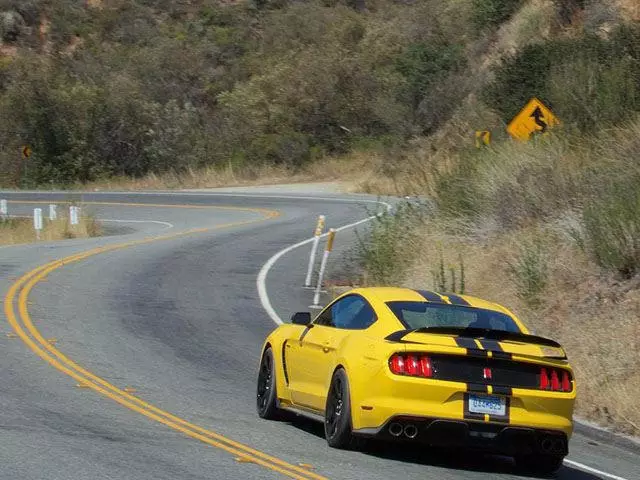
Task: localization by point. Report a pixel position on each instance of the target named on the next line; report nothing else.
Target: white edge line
(592, 470)
(113, 220)
(266, 304)
(261, 281)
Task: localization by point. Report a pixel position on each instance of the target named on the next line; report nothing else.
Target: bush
(611, 229)
(589, 82)
(530, 271)
(382, 252)
(491, 13)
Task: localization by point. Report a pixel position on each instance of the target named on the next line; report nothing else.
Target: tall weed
(530, 271)
(385, 252)
(611, 229)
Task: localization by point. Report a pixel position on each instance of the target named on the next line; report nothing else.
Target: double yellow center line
(21, 322)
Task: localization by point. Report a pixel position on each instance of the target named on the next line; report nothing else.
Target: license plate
(487, 404)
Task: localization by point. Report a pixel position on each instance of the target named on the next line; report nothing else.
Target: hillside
(387, 94)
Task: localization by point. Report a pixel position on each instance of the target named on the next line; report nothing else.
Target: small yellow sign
(534, 118)
(483, 137)
(26, 151)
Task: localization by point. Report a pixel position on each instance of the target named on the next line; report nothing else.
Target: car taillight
(566, 383)
(397, 364)
(544, 379)
(412, 365)
(550, 380)
(425, 367)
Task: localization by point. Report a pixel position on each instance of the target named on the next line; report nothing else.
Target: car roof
(401, 294)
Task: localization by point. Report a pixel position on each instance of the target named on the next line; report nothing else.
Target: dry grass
(20, 230)
(347, 170)
(592, 314)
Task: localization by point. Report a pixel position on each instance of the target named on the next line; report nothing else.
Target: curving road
(133, 355)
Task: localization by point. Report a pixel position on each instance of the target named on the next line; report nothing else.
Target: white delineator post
(4, 211)
(37, 221)
(314, 249)
(323, 266)
(73, 215)
(53, 213)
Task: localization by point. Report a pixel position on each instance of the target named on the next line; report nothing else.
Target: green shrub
(382, 252)
(611, 229)
(491, 13)
(431, 86)
(589, 82)
(530, 271)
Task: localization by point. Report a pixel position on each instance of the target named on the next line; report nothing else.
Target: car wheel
(337, 423)
(266, 394)
(540, 464)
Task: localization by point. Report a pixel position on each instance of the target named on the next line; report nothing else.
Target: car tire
(545, 465)
(266, 395)
(337, 423)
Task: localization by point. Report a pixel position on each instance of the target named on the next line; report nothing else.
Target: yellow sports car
(418, 366)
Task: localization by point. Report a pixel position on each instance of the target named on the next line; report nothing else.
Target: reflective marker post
(314, 249)
(323, 266)
(73, 215)
(4, 211)
(37, 221)
(53, 214)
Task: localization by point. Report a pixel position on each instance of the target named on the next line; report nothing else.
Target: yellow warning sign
(534, 118)
(483, 137)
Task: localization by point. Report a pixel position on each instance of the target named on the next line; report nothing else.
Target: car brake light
(397, 364)
(566, 383)
(425, 367)
(550, 380)
(544, 379)
(555, 382)
(412, 365)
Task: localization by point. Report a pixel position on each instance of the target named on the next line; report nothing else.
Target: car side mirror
(301, 318)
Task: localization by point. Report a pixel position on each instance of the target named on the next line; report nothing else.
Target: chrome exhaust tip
(395, 429)
(410, 431)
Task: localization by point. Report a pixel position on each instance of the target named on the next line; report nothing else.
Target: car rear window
(428, 314)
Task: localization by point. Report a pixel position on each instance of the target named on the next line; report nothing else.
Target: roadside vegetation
(20, 230)
(385, 95)
(549, 227)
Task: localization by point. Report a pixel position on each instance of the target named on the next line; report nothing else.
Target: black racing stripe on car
(502, 355)
(477, 353)
(430, 296)
(477, 388)
(465, 342)
(499, 390)
(457, 300)
(492, 345)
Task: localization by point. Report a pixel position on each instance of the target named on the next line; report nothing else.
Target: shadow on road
(458, 459)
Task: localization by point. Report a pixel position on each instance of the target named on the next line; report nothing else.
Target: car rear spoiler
(480, 333)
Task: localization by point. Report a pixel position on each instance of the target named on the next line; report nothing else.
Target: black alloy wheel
(337, 423)
(266, 398)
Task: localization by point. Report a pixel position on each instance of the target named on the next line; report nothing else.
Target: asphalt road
(138, 361)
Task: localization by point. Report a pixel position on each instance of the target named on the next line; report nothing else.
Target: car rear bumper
(493, 437)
